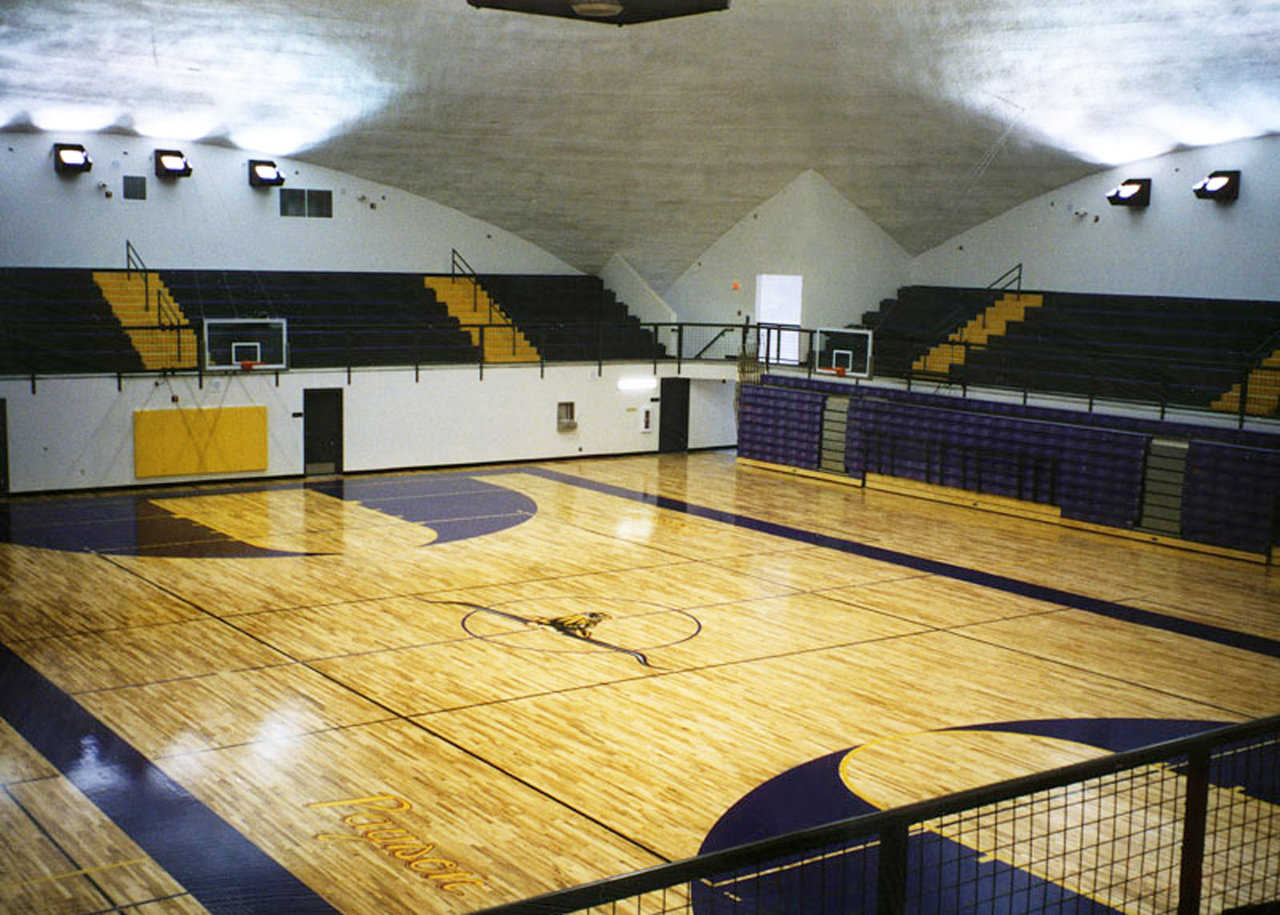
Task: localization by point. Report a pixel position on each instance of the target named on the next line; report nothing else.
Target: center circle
(577, 624)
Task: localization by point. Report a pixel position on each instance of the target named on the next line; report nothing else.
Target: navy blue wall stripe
(216, 864)
(1217, 634)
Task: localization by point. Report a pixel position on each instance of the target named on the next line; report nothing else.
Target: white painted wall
(622, 280)
(1072, 240)
(713, 422)
(77, 432)
(808, 228)
(213, 219)
(74, 433)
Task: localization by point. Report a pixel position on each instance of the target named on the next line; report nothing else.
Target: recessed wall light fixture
(1131, 192)
(1221, 186)
(263, 173)
(70, 159)
(171, 163)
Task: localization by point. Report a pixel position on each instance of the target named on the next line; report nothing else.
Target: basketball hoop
(248, 365)
(840, 370)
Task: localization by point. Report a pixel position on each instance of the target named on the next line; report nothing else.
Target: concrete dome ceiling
(652, 140)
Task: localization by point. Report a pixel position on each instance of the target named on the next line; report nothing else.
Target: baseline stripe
(221, 868)
(1149, 618)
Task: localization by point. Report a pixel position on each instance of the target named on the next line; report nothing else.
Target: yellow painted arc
(299, 520)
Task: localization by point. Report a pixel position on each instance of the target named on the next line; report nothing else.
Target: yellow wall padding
(218, 440)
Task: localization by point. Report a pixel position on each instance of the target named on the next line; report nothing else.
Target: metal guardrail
(1185, 826)
(1165, 384)
(458, 266)
(169, 315)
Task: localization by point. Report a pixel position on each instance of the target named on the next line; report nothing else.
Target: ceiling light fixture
(263, 173)
(1221, 185)
(613, 12)
(596, 9)
(70, 159)
(1131, 192)
(171, 163)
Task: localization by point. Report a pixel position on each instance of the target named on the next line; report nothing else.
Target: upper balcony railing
(1242, 383)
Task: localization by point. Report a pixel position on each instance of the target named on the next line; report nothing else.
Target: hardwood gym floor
(427, 692)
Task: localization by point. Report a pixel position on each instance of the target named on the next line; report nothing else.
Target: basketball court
(443, 691)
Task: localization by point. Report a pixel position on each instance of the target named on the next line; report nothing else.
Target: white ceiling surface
(652, 140)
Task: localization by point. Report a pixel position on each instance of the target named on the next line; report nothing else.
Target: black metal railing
(458, 267)
(961, 314)
(1011, 277)
(133, 263)
(1192, 381)
(1136, 373)
(169, 315)
(1185, 826)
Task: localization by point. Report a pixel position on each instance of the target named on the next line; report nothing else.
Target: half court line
(1149, 618)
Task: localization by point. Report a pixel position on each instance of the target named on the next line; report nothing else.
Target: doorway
(779, 300)
(4, 447)
(673, 415)
(321, 430)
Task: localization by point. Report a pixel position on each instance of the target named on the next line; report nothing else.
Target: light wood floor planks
(408, 725)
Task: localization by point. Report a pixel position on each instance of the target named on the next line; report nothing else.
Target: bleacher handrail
(458, 266)
(1011, 277)
(896, 821)
(133, 261)
(169, 315)
(1264, 349)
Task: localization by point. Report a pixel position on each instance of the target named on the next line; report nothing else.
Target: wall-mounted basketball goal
(842, 351)
(236, 344)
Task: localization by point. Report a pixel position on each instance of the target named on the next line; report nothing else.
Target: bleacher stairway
(1264, 390)
(835, 423)
(160, 348)
(992, 322)
(471, 305)
(1162, 485)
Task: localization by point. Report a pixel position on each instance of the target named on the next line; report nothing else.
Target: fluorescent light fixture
(171, 163)
(614, 12)
(169, 127)
(1220, 185)
(263, 173)
(70, 159)
(637, 383)
(1131, 192)
(73, 118)
(597, 9)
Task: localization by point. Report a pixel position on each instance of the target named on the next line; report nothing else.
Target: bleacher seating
(334, 318)
(1232, 496)
(780, 426)
(571, 318)
(57, 320)
(1091, 474)
(1153, 427)
(918, 318)
(1185, 351)
(1089, 464)
(1171, 350)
